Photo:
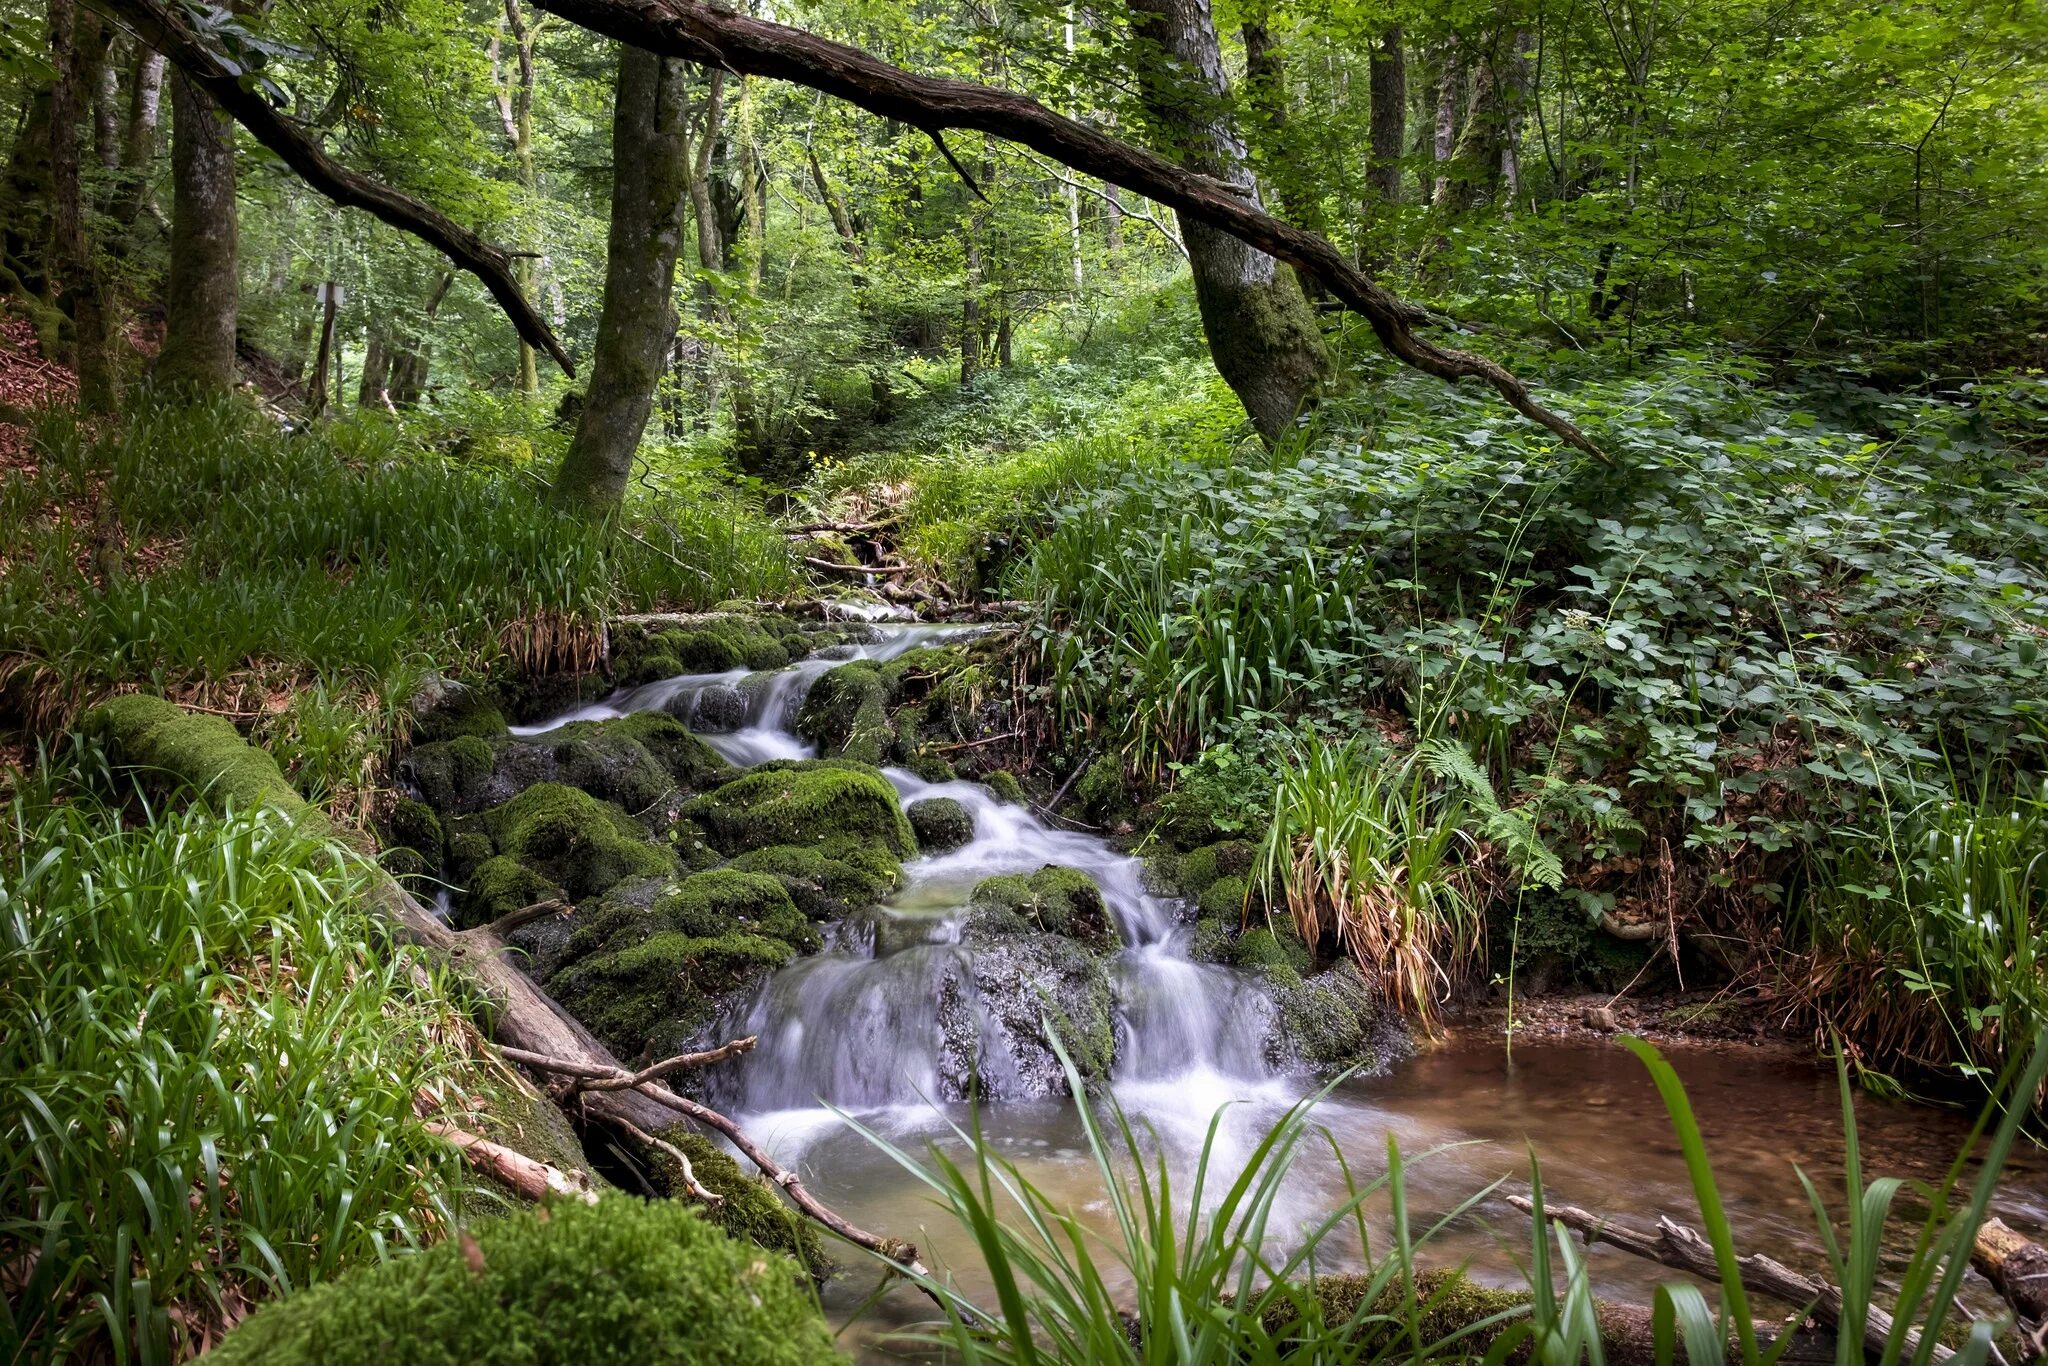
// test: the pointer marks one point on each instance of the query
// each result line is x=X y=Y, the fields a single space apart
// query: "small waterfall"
x=889 y=1016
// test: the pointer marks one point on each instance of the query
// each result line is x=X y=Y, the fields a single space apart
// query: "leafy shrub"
x=621 y=1280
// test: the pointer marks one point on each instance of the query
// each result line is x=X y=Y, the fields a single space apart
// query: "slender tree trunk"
x=650 y=171
x=78 y=42
x=199 y=310
x=372 y=389
x=1389 y=114
x=516 y=113
x=1450 y=84
x=26 y=197
x=1261 y=333
x=138 y=138
x=970 y=311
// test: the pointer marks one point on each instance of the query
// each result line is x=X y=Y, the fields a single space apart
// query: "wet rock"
x=467 y=850
x=1053 y=900
x=940 y=824
x=846 y=714
x=656 y=997
x=1004 y=787
x=443 y=709
x=718 y=710
x=572 y=839
x=714 y=642
x=1029 y=986
x=1331 y=1021
x=805 y=803
x=638 y=761
x=828 y=881
x=703 y=905
x=450 y=775
x=500 y=886
x=413 y=825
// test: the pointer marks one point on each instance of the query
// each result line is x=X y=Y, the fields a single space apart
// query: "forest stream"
x=865 y=1030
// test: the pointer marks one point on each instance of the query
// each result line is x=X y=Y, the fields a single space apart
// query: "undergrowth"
x=211 y=1072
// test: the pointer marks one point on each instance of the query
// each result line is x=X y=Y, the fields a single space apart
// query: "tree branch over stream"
x=747 y=46
x=166 y=29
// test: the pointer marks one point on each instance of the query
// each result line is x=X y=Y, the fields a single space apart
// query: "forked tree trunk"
x=1261 y=333
x=650 y=173
x=199 y=311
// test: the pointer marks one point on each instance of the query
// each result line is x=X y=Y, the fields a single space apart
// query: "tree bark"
x=1389 y=115
x=138 y=138
x=516 y=113
x=650 y=173
x=78 y=43
x=1450 y=84
x=1261 y=332
x=199 y=312
x=756 y=47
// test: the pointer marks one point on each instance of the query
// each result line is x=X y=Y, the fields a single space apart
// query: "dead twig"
x=689 y=1173
x=533 y=1179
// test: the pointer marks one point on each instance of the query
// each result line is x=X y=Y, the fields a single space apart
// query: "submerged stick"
x=1684 y=1249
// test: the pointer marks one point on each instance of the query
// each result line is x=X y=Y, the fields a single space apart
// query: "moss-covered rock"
x=1225 y=900
x=1199 y=868
x=704 y=905
x=467 y=850
x=846 y=714
x=1029 y=986
x=402 y=863
x=829 y=881
x=443 y=709
x=652 y=998
x=625 y=1278
x=717 y=710
x=574 y=840
x=1054 y=900
x=500 y=886
x=1100 y=791
x=639 y=762
x=1004 y=787
x=713 y=643
x=413 y=825
x=750 y=1208
x=940 y=824
x=1331 y=1021
x=804 y=804
x=450 y=776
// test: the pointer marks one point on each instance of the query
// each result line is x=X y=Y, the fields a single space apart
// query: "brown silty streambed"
x=1586 y=1107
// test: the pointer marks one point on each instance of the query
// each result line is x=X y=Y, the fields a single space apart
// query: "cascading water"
x=890 y=1017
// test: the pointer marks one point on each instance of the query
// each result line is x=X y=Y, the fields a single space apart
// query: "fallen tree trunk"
x=167 y=30
x=730 y=41
x=1684 y=1249
x=533 y=1179
x=2018 y=1269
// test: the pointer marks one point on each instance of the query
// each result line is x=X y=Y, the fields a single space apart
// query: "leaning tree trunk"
x=1261 y=333
x=650 y=175
x=199 y=312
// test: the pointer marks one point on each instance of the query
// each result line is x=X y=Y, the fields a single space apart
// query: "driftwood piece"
x=2017 y=1268
x=1684 y=1249
x=165 y=28
x=723 y=39
x=533 y=1179
x=835 y=567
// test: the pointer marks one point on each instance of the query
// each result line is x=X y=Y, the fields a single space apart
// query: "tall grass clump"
x=202 y=545
x=209 y=1074
x=1927 y=927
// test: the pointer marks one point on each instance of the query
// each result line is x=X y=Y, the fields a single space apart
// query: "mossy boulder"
x=467 y=851
x=828 y=881
x=574 y=840
x=1225 y=900
x=500 y=886
x=621 y=1279
x=1004 y=787
x=1053 y=900
x=717 y=710
x=1330 y=1021
x=806 y=803
x=1198 y=869
x=413 y=825
x=652 y=998
x=1100 y=791
x=443 y=709
x=940 y=824
x=704 y=905
x=638 y=761
x=846 y=714
x=710 y=644
x=1027 y=987
x=750 y=1210
x=450 y=776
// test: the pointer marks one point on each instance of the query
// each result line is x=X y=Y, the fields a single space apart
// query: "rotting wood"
x=2017 y=1268
x=168 y=31
x=834 y=567
x=1684 y=1249
x=531 y=1178
x=739 y=43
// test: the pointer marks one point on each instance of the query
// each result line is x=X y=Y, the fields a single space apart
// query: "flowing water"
x=857 y=1031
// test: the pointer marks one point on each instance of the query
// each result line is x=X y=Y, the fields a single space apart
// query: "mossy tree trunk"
x=1262 y=334
x=198 y=355
x=78 y=43
x=650 y=180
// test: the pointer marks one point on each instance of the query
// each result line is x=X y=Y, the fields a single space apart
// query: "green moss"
x=1447 y=1302
x=413 y=825
x=1100 y=792
x=573 y=839
x=1281 y=955
x=500 y=886
x=403 y=863
x=705 y=906
x=1199 y=868
x=929 y=766
x=456 y=710
x=846 y=713
x=651 y=998
x=1224 y=900
x=467 y=850
x=570 y=1283
x=1056 y=900
x=451 y=775
x=804 y=804
x=823 y=884
x=171 y=747
x=1004 y=787
x=920 y=667
x=751 y=1210
x=1330 y=1020
x=940 y=824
